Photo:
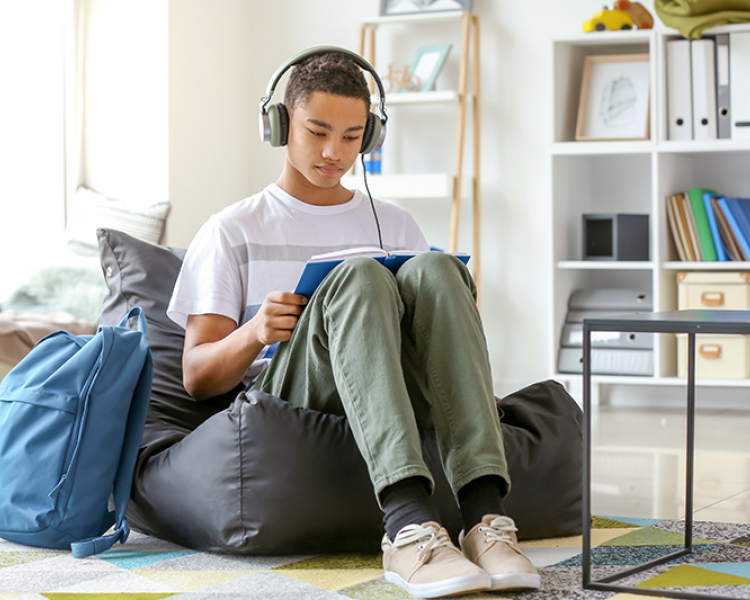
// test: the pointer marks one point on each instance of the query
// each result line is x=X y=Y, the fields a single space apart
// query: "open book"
x=321 y=264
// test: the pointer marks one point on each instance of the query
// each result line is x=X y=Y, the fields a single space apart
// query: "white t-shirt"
x=261 y=244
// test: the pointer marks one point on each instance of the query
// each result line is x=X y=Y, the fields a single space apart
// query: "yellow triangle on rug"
x=691 y=576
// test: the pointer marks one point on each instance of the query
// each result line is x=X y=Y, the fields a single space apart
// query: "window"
x=32 y=163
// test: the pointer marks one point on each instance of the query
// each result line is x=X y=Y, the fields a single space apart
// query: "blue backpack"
x=71 y=418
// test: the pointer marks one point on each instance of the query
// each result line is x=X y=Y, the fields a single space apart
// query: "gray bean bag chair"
x=248 y=473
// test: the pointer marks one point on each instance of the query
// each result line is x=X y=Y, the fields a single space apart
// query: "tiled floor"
x=638 y=462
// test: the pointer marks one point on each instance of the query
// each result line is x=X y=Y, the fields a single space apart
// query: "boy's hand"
x=277 y=317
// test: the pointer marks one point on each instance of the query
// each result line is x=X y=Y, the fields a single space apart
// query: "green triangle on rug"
x=10 y=559
x=692 y=576
x=336 y=561
x=650 y=536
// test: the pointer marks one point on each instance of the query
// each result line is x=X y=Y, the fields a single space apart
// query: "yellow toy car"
x=609 y=19
x=641 y=17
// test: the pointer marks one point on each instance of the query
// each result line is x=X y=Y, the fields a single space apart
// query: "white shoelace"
x=500 y=530
x=431 y=537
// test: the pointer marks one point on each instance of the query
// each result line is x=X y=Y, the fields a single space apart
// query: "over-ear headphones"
x=274 y=119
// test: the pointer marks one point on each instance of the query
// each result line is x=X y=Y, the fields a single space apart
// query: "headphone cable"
x=372 y=203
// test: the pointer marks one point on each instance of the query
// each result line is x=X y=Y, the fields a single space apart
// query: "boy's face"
x=325 y=136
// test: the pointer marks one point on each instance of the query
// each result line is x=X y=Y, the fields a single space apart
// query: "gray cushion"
x=257 y=475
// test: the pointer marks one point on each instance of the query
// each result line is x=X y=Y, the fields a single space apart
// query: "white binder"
x=739 y=77
x=704 y=89
x=723 y=104
x=679 y=91
x=608 y=361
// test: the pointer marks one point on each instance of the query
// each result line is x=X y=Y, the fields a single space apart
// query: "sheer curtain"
x=32 y=147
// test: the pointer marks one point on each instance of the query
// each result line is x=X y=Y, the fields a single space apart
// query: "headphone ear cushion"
x=278 y=124
x=371 y=136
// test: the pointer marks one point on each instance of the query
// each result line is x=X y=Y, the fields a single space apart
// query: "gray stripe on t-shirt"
x=249 y=313
x=252 y=251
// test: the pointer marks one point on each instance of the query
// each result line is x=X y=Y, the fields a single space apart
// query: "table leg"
x=690 y=441
x=586 y=558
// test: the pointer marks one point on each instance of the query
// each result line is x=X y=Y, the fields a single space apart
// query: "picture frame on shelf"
x=389 y=8
x=427 y=64
x=614 y=102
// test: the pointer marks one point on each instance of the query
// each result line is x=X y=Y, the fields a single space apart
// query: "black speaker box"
x=615 y=237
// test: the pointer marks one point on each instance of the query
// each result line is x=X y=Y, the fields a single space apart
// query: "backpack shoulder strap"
x=133 y=432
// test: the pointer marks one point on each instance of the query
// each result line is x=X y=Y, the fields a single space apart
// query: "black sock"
x=407 y=502
x=480 y=497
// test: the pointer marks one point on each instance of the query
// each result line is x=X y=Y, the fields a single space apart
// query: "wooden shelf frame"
x=469 y=64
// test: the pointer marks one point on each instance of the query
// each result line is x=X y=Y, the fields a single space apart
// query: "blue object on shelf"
x=373 y=162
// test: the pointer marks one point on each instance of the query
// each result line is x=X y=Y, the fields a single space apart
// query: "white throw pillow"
x=89 y=210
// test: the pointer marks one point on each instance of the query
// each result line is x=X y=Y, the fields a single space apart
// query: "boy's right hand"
x=277 y=317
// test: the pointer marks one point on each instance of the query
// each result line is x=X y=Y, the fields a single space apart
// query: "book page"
x=349 y=253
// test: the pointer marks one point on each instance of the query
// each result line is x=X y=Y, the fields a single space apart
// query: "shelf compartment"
x=568 y=60
x=725 y=172
x=591 y=184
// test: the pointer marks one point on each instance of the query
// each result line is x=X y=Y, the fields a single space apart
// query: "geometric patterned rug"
x=146 y=568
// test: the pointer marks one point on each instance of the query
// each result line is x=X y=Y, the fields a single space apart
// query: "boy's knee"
x=439 y=266
x=435 y=274
x=362 y=273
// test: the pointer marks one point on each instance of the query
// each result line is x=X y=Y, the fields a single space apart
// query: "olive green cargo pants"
x=396 y=354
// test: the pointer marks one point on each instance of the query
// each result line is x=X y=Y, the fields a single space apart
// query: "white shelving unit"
x=451 y=186
x=629 y=177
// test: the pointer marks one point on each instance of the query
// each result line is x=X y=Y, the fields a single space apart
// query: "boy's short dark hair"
x=333 y=73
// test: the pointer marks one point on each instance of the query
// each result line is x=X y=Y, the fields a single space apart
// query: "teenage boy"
x=393 y=353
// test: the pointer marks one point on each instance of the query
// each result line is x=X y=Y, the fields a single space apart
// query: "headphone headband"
x=361 y=62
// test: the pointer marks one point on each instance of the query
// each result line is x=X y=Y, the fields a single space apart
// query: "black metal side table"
x=690 y=322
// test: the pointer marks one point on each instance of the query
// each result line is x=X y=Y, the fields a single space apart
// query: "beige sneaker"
x=492 y=545
x=423 y=560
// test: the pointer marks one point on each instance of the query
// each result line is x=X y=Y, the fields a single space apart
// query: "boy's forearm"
x=213 y=368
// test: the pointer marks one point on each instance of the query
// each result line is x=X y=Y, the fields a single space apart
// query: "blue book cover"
x=740 y=208
x=713 y=225
x=319 y=266
x=735 y=226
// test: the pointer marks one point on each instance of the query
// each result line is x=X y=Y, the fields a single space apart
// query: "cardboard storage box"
x=716 y=356
x=728 y=290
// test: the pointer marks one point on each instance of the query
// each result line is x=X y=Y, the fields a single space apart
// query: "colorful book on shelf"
x=690 y=217
x=715 y=234
x=740 y=208
x=679 y=212
x=701 y=222
x=739 y=236
x=684 y=219
x=676 y=236
x=727 y=237
x=320 y=265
